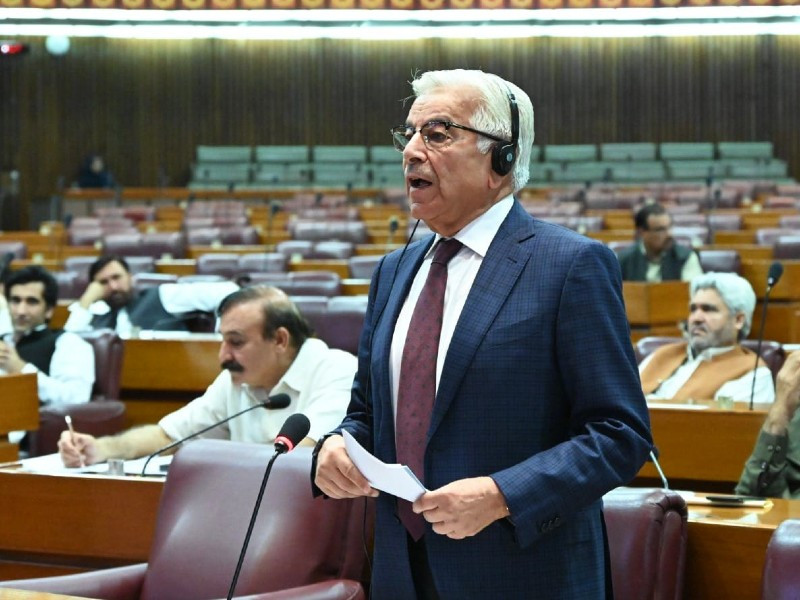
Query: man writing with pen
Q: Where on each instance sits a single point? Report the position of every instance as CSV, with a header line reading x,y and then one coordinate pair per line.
x,y
266,349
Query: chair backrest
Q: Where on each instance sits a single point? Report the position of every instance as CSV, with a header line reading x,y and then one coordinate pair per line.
x,y
362,267
300,283
108,354
647,531
786,247
18,249
780,579
727,261
205,510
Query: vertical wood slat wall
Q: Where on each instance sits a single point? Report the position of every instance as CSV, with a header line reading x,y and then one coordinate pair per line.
x,y
146,105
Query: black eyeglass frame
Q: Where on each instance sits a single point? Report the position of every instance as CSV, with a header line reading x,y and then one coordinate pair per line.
x,y
400,133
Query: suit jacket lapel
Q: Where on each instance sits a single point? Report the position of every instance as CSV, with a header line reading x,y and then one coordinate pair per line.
x,y
498,273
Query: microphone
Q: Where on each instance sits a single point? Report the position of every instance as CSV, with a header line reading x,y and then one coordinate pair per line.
x,y
773,276
294,429
272,403
655,462
394,223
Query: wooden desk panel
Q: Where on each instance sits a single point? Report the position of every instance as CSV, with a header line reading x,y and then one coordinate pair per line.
x,y
649,304
708,445
727,548
746,251
182,365
788,288
74,522
341,267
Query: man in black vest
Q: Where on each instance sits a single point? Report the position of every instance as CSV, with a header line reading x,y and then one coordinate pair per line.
x,y
63,362
110,300
655,256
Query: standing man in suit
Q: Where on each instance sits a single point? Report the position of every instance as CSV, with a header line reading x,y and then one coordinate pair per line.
x,y
514,397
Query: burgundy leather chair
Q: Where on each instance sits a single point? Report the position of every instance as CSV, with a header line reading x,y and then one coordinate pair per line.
x,y
727,261
143,281
647,531
264,262
337,321
18,249
223,263
301,547
70,284
155,245
780,579
104,414
362,267
300,283
786,247
206,236
332,249
291,248
772,352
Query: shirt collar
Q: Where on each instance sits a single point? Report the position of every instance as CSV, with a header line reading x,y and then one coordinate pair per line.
x,y
297,376
708,353
479,233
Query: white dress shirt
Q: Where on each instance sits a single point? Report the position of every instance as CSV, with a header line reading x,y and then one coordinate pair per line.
x,y
461,272
71,371
318,383
738,389
176,298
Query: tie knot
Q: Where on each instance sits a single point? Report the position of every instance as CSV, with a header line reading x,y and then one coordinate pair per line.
x,y
445,250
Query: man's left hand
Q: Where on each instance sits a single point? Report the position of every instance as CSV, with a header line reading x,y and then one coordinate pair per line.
x,y
10,361
463,508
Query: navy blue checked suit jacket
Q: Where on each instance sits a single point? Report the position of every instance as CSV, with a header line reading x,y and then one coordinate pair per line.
x,y
539,390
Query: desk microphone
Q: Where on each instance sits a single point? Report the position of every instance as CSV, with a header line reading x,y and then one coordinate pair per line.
x,y
294,429
774,275
273,402
655,462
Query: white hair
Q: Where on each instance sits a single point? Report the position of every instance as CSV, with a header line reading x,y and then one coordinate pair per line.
x,y
736,292
493,114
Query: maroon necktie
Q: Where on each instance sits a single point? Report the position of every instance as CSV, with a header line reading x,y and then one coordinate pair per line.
x,y
417,388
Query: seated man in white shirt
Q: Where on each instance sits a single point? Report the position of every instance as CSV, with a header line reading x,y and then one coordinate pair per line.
x,y
266,349
110,300
62,361
711,363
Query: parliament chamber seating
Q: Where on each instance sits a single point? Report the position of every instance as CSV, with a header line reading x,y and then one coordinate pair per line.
x,y
104,414
156,244
362,267
301,547
142,281
226,236
771,352
300,283
315,231
263,262
337,321
767,236
787,247
781,576
727,261
70,284
647,539
18,249
225,264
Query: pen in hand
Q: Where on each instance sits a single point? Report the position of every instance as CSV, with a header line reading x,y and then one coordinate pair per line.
x,y
68,419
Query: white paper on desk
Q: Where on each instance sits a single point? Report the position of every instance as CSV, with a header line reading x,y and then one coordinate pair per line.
x,y
397,480
52,464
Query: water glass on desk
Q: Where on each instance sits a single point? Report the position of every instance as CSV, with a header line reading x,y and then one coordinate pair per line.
x,y
725,402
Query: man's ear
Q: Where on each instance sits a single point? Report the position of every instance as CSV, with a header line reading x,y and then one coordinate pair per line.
x,y
282,338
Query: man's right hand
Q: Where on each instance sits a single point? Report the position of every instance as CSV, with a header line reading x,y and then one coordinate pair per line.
x,y
73,446
787,396
93,293
336,475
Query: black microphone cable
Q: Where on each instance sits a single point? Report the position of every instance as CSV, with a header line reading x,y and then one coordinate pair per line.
x,y
774,275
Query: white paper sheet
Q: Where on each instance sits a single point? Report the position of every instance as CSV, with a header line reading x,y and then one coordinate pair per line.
x,y
51,464
397,480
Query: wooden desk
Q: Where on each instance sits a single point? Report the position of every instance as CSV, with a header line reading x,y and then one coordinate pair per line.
x,y
655,308
705,449
19,402
58,524
727,547
12,594
52,524
160,376
788,288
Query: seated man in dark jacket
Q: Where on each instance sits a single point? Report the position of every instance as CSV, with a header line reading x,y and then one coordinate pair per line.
x,y
110,300
655,256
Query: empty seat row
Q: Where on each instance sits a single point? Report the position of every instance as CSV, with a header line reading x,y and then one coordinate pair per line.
x,y
297,154
648,151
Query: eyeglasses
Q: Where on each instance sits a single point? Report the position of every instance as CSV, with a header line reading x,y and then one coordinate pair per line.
x,y
434,134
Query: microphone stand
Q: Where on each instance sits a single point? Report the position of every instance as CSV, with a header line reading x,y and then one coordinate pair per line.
x,y
760,340
195,434
278,451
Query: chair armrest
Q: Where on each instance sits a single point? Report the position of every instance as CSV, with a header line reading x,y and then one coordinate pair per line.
x,y
335,589
96,418
121,583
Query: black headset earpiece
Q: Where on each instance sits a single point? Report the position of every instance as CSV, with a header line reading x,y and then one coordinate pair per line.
x,y
505,153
